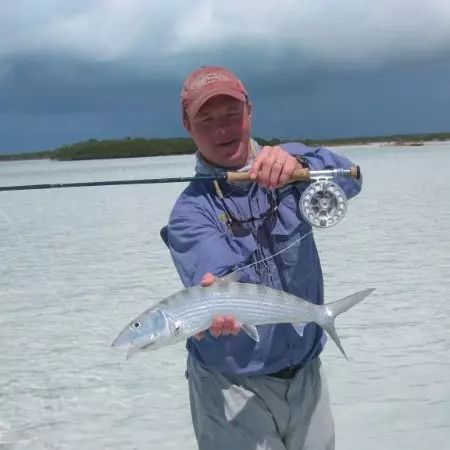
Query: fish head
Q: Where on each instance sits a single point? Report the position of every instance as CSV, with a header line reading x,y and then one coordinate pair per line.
x,y
151,330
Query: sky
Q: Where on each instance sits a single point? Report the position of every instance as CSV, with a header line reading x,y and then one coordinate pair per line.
x,y
107,69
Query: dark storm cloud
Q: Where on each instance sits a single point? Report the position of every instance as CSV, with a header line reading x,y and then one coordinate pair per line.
x,y
75,70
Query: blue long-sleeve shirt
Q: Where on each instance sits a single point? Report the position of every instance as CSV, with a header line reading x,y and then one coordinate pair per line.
x,y
200,241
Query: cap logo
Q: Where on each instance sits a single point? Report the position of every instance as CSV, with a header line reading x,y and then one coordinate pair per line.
x,y
206,78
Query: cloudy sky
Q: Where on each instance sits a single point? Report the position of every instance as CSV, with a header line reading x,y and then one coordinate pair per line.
x,y
75,69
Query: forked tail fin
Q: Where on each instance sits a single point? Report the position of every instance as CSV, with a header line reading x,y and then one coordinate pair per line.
x,y
333,309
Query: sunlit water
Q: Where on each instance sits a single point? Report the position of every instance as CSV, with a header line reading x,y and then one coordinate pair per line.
x,y
77,264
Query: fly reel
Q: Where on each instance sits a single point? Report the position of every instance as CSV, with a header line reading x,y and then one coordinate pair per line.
x,y
323,203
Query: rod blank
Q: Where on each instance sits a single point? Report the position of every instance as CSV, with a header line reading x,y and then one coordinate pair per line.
x,y
299,175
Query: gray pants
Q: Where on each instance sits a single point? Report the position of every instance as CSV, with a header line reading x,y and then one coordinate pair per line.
x,y
261,413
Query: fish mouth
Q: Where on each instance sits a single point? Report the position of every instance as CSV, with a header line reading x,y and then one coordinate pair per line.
x,y
120,342
131,350
134,346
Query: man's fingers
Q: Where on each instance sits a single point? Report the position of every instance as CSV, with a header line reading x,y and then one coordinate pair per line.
x,y
216,328
270,167
236,329
229,324
273,167
265,173
275,173
224,325
207,279
256,166
288,169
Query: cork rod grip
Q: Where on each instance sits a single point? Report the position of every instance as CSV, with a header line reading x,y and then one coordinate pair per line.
x,y
298,175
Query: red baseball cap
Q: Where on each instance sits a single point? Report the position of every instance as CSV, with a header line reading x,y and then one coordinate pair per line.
x,y
206,82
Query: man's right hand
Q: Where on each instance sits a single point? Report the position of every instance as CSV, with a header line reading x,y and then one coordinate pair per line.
x,y
222,325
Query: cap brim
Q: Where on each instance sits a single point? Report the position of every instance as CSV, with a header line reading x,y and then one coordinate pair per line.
x,y
195,106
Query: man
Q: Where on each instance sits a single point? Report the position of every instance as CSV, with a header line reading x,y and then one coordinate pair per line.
x,y
246,395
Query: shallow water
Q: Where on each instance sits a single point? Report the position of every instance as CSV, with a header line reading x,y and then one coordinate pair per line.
x,y
77,264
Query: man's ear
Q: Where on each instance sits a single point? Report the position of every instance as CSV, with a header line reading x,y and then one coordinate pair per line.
x,y
250,109
186,121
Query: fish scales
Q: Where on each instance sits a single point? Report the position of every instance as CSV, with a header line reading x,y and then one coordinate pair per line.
x,y
193,309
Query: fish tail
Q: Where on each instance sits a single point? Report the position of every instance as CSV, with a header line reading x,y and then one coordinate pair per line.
x,y
333,309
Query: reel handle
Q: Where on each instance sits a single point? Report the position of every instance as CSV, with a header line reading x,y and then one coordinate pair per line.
x,y
304,174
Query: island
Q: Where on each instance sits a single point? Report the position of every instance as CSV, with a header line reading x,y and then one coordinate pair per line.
x,y
144,147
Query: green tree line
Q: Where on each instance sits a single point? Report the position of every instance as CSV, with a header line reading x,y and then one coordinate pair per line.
x,y
142,147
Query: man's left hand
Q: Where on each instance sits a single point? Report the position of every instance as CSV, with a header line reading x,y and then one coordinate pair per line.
x,y
273,167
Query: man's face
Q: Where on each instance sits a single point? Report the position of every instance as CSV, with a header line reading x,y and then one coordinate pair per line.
x,y
221,130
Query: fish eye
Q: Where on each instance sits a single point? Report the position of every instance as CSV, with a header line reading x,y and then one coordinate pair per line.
x,y
136,325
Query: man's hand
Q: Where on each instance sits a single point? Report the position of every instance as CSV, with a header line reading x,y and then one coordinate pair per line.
x,y
273,167
222,325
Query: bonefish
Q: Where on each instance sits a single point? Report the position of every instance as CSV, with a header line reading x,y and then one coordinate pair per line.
x,y
192,310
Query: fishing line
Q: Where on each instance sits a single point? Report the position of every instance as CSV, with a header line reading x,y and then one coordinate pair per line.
x,y
16,232
33,254
275,254
69,400
25,245
323,204
52,405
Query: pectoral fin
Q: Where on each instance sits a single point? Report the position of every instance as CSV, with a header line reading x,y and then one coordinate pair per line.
x,y
252,331
300,328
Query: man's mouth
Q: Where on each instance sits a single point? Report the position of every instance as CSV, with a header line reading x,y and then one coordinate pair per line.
x,y
226,144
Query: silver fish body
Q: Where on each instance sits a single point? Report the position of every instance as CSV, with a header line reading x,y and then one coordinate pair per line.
x,y
192,310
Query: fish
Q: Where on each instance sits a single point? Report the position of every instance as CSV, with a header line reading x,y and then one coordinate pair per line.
x,y
192,310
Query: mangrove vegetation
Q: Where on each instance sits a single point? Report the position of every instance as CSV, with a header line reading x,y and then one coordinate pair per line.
x,y
142,147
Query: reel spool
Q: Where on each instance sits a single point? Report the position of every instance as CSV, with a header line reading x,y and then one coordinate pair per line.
x,y
323,203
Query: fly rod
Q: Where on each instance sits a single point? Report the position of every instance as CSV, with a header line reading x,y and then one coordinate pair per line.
x,y
322,204
298,175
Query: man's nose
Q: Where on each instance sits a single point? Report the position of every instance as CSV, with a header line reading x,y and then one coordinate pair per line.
x,y
222,127
221,130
